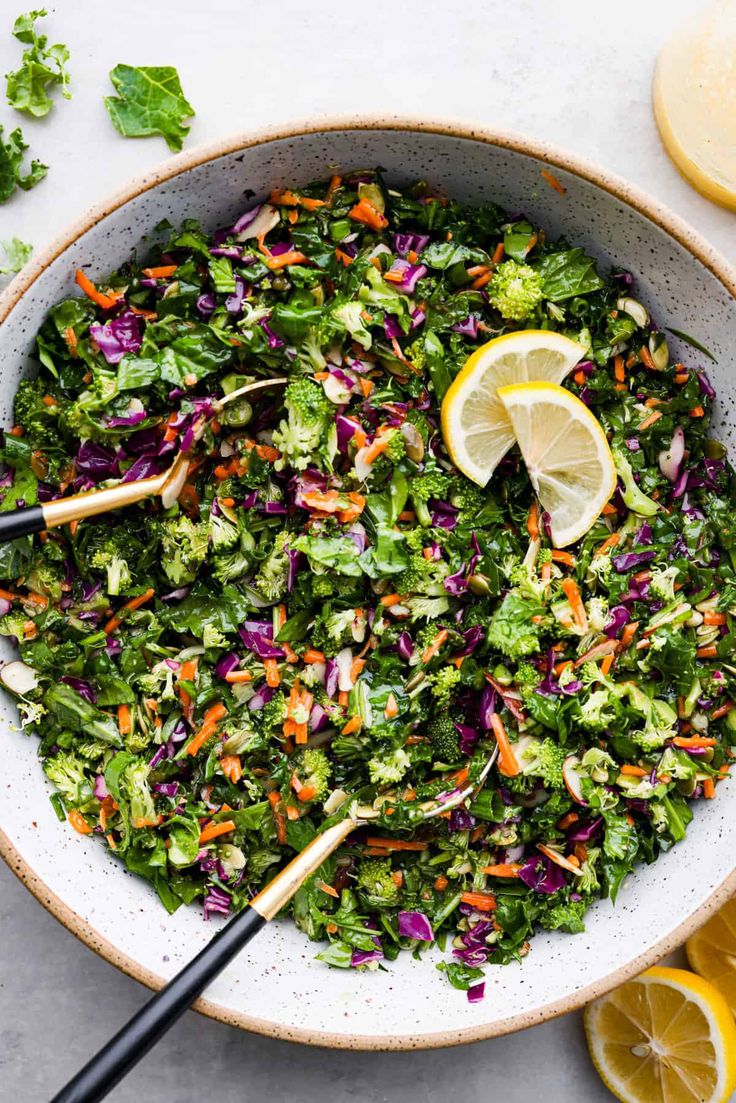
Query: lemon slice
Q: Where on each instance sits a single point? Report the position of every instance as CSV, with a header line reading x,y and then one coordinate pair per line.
x,y
666,1037
695,101
712,952
566,454
475,425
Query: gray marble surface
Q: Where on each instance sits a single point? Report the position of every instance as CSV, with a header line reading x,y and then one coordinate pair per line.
x,y
575,73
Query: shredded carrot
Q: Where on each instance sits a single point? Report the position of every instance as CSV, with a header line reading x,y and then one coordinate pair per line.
x,y
345,259
238,677
78,822
507,763
212,717
610,542
356,668
503,869
388,600
498,253
697,411
553,182
332,187
231,767
214,829
312,655
392,708
324,887
709,788
572,593
627,636
441,883
354,724
633,771
710,652
646,358
694,742
83,281
654,416
481,901
619,372
567,821
429,652
342,698
714,618
161,273
394,844
563,557
722,710
7,595
374,450
70,339
273,678
284,260
606,663
124,723
134,603
365,212
532,521
307,792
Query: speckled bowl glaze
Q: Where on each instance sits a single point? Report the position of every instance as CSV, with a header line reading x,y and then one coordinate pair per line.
x,y
276,987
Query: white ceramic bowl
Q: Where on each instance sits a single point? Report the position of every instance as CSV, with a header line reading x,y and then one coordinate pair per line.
x,y
276,987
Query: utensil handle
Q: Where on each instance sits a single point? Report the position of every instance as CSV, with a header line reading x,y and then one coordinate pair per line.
x,y
21,522
114,1060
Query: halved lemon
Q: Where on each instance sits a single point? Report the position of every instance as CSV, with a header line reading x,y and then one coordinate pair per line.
x,y
566,454
711,952
475,425
666,1037
695,101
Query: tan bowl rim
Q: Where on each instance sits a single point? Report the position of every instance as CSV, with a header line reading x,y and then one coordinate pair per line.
x,y
628,193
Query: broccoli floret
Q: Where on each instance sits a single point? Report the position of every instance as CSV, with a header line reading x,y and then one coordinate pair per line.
x,y
597,712
303,437
597,764
184,548
512,630
333,631
527,677
349,748
67,773
414,576
314,769
272,715
140,799
233,564
395,449
662,583
544,760
111,555
633,497
46,578
426,608
432,483
390,767
375,882
13,624
443,682
443,734
31,713
273,575
224,533
515,290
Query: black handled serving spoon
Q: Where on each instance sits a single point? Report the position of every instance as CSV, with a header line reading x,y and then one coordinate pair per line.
x,y
100,1075
167,485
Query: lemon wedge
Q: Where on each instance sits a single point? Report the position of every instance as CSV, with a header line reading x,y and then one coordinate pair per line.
x,y
475,425
666,1037
566,454
711,952
695,101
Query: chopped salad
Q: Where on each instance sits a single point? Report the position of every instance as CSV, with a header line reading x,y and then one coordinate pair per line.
x,y
331,612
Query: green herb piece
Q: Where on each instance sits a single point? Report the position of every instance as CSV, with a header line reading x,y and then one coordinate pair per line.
x,y
11,158
17,252
149,101
41,68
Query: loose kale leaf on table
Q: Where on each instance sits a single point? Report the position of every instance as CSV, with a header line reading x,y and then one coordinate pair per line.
x,y
42,67
11,157
16,252
149,101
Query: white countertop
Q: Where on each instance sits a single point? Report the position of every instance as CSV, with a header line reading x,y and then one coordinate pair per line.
x,y
577,74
